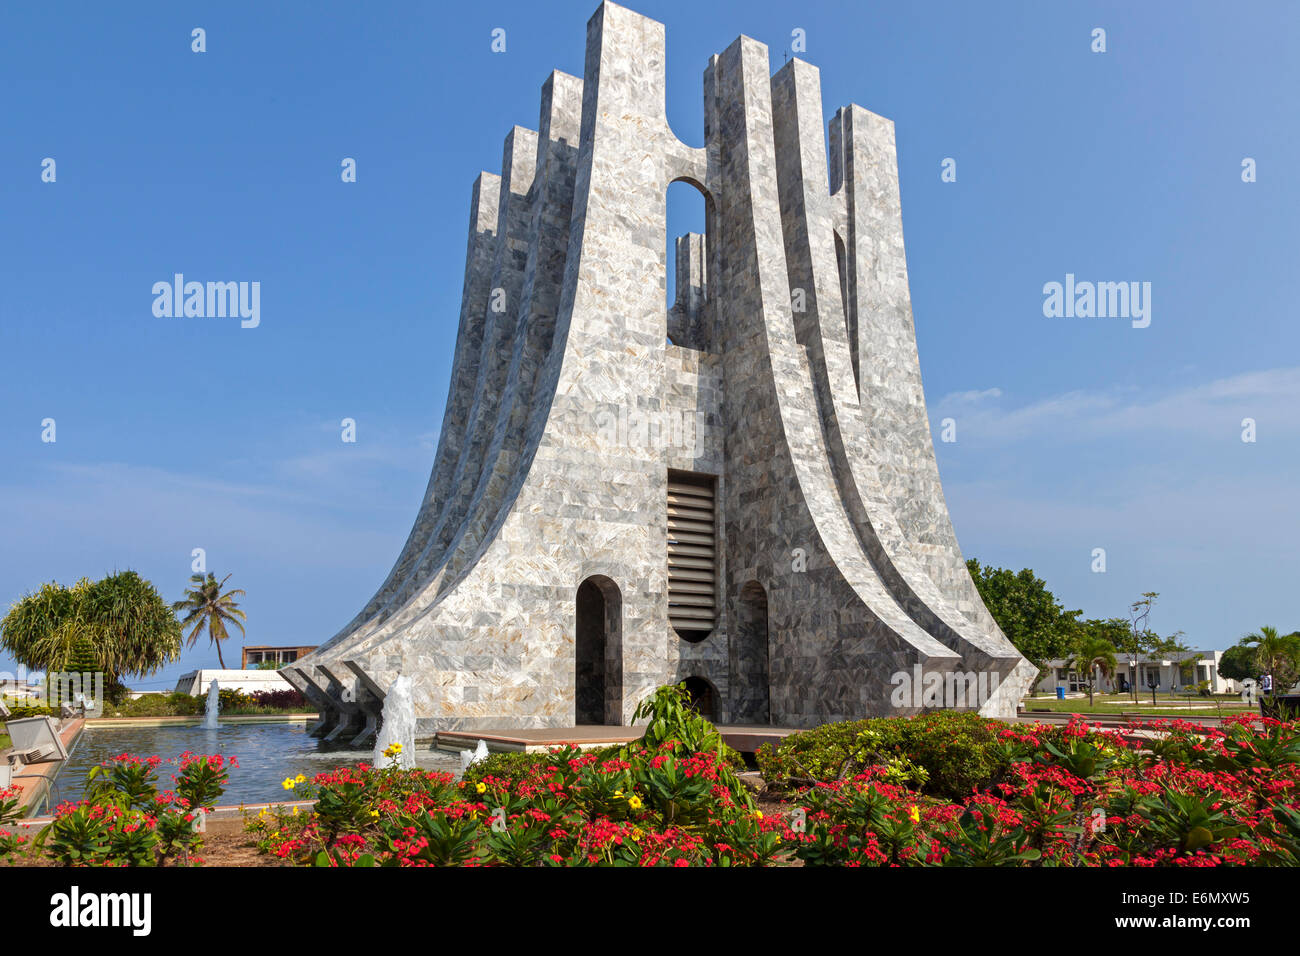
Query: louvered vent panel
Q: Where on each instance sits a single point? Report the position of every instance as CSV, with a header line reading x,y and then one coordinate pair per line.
x,y
692,550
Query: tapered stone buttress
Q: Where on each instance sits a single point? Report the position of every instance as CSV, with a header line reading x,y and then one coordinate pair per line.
x,y
738,491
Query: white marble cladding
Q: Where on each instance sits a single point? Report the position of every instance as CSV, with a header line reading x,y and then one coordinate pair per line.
x,y
792,377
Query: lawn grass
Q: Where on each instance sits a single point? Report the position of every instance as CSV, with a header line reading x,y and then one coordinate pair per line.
x,y
1123,704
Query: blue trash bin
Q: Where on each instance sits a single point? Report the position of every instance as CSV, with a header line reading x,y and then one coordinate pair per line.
x,y
1060,693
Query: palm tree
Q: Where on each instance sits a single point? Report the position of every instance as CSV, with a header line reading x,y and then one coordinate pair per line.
x,y
205,605
1273,651
1093,655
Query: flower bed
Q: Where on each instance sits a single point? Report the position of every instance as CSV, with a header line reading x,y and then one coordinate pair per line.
x,y
126,820
880,794
872,793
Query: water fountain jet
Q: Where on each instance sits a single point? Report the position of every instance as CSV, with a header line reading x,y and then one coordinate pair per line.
x,y
470,757
210,721
398,727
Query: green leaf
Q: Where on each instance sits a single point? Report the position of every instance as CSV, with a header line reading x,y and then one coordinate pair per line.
x,y
1196,838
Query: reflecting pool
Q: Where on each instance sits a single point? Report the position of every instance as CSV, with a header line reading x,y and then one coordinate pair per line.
x,y
267,754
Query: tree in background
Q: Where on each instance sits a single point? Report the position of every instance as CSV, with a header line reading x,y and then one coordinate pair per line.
x,y
1239,663
1142,640
1275,654
1093,656
1028,614
120,624
1114,631
1042,630
82,660
1118,631
207,606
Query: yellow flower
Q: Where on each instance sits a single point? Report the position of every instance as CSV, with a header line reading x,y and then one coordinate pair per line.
x,y
636,833
618,793
914,813
289,783
480,787
758,814
374,813
300,779
392,750
634,802
295,811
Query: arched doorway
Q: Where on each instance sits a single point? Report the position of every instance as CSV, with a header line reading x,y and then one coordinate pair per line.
x,y
749,657
691,285
703,698
598,653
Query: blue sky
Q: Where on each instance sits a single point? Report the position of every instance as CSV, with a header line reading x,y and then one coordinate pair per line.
x,y
1072,434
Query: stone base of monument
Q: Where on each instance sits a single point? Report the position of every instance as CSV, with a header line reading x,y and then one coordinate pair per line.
x,y
746,739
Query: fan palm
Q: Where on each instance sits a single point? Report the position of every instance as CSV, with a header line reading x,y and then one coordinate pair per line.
x,y
1093,655
206,606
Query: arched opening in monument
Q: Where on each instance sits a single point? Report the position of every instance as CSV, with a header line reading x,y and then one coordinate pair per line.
x,y
850,318
703,697
692,554
598,653
688,219
749,657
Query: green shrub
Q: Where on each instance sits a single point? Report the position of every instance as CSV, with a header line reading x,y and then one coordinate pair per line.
x,y
183,704
945,753
516,766
960,750
673,721
23,710
159,705
828,752
231,699
672,724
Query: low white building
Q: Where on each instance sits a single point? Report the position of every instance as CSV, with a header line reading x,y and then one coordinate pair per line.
x,y
1169,672
19,689
196,683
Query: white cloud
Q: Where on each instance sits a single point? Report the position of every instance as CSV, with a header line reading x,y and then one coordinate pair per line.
x,y
1212,410
1159,478
964,398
